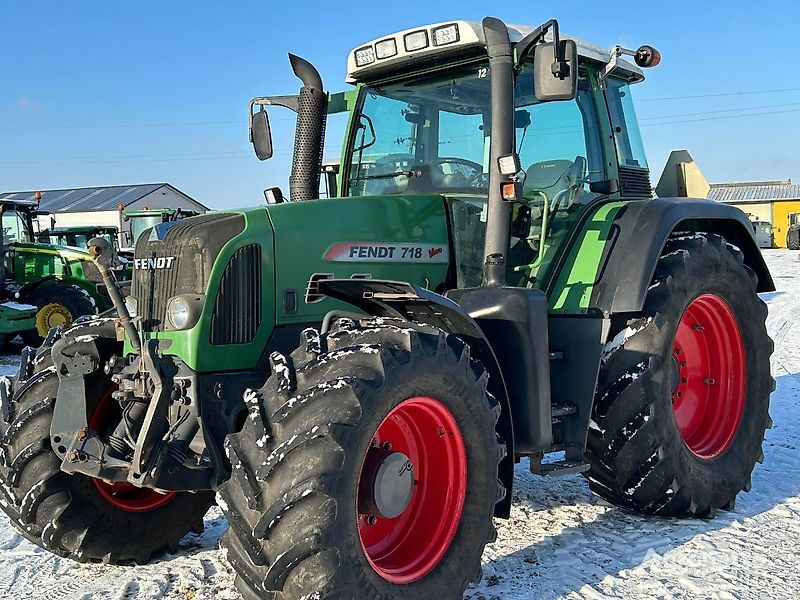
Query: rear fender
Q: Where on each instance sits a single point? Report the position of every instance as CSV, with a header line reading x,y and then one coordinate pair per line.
x,y
638,236
406,301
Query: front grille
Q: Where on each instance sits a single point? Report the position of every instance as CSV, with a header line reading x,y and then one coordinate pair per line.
x,y
237,308
193,245
634,183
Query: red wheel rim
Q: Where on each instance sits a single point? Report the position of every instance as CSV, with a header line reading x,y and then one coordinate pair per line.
x,y
708,399
122,494
405,549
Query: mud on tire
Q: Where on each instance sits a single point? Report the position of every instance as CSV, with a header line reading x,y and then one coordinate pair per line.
x,y
292,498
639,456
66,514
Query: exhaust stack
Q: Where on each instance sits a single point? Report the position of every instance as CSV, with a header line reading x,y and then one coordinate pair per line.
x,y
309,139
501,63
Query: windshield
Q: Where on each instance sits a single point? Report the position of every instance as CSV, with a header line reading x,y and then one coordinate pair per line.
x,y
15,227
139,224
432,135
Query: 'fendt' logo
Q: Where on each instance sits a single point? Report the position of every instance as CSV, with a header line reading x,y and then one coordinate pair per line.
x,y
158,262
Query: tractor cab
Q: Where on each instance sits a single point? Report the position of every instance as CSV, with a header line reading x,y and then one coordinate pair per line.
x,y
79,236
422,125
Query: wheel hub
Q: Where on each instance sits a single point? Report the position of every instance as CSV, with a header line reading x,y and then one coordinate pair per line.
x,y
708,392
416,470
52,315
392,484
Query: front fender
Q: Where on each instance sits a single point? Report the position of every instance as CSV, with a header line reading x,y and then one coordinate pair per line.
x,y
637,239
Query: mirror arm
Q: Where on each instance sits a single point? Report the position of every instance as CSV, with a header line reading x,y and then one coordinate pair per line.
x,y
523,47
289,102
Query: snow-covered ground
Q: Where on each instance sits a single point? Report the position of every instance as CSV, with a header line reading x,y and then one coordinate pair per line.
x,y
561,541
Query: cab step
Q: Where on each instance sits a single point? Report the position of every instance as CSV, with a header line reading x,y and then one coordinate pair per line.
x,y
563,410
563,467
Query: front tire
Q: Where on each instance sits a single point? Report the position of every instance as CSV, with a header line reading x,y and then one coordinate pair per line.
x,y
76,516
682,401
375,401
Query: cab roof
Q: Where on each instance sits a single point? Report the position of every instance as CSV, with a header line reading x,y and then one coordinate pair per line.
x,y
469,36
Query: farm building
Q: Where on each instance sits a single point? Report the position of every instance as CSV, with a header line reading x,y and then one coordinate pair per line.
x,y
764,201
102,205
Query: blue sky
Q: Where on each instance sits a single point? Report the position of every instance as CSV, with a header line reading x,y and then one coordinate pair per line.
x,y
98,93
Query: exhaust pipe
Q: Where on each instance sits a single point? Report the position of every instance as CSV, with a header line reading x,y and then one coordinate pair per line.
x,y
501,63
309,138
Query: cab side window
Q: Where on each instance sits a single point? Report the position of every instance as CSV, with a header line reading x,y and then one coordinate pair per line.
x,y
628,139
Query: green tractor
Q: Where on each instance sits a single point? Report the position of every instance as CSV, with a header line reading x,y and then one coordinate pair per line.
x,y
78,236
61,282
352,379
140,220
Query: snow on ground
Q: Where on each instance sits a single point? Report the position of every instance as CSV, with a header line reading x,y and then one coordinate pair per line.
x,y
561,541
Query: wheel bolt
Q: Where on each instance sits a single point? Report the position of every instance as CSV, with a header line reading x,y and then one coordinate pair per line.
x,y
683,380
82,433
387,445
372,519
440,431
697,327
683,363
709,381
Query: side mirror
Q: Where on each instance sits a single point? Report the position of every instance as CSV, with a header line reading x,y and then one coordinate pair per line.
x,y
555,74
260,135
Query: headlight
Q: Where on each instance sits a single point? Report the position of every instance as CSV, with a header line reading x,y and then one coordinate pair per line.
x,y
132,306
447,34
184,311
365,56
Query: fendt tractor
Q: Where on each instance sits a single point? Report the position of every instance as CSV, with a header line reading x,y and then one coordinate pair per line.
x,y
61,282
353,379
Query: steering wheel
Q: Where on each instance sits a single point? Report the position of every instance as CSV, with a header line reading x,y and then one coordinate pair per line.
x,y
474,178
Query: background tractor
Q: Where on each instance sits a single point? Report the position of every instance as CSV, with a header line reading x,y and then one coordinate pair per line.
x,y
78,236
61,282
355,377
140,220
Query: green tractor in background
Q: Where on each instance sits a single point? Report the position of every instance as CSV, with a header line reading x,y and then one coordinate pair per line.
x,y
78,236
352,379
140,220
61,282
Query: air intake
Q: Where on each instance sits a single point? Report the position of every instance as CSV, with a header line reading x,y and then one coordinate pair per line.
x,y
237,309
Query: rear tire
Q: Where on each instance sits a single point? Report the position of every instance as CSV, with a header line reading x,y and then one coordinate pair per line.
x,y
682,401
793,240
60,305
298,523
68,514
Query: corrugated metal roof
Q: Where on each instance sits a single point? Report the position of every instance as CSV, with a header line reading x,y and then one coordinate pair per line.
x,y
755,191
87,199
